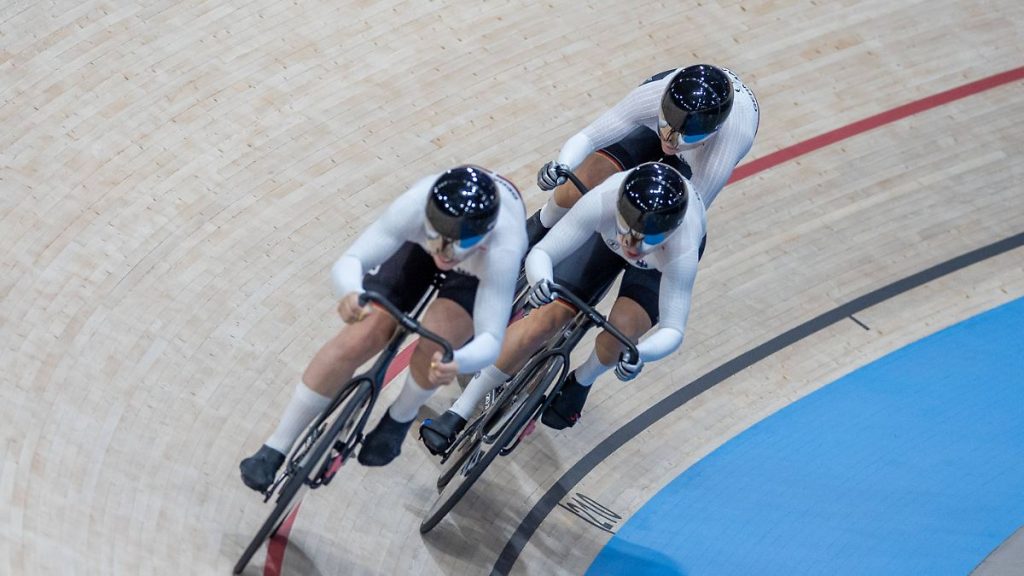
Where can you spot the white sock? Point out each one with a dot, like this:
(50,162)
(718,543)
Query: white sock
(410,399)
(551,213)
(488,379)
(590,370)
(305,405)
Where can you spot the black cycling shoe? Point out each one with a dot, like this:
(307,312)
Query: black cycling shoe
(258,470)
(384,443)
(439,433)
(535,231)
(565,409)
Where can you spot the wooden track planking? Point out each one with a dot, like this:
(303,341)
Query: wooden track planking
(177,178)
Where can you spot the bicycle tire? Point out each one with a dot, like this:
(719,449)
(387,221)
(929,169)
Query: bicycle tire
(287,497)
(468,447)
(447,500)
(483,425)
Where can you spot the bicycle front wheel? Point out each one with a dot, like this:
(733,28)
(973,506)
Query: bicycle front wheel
(479,452)
(311,468)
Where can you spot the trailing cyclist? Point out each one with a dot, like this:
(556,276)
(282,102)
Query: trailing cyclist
(701,120)
(649,221)
(467,223)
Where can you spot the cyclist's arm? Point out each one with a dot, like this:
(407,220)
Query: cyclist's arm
(398,224)
(714,163)
(673,308)
(491,310)
(611,126)
(568,234)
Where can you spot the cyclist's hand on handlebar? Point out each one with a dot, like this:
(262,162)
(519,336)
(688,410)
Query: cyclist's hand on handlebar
(626,369)
(549,175)
(541,294)
(350,310)
(441,373)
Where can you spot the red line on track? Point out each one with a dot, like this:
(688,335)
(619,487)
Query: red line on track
(278,544)
(807,146)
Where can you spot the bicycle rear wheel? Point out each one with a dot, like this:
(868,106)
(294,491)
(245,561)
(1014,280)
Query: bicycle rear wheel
(480,452)
(314,463)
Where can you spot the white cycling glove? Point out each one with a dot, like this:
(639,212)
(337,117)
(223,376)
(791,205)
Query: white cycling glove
(550,175)
(541,294)
(626,370)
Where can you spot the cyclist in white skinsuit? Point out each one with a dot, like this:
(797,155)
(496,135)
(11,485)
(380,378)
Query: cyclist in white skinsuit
(700,120)
(648,221)
(467,223)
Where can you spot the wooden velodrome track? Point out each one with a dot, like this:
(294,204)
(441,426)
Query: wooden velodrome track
(176,178)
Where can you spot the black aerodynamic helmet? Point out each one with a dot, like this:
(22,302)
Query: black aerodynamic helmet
(696,102)
(463,204)
(652,202)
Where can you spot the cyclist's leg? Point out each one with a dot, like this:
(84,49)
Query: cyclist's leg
(337,360)
(450,317)
(634,312)
(594,169)
(522,338)
(632,319)
(587,272)
(333,365)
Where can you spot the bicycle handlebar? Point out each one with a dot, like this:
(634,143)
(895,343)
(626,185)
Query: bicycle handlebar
(583,188)
(407,322)
(597,318)
(565,294)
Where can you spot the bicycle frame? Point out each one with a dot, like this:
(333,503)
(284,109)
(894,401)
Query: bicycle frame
(560,347)
(325,447)
(406,325)
(512,415)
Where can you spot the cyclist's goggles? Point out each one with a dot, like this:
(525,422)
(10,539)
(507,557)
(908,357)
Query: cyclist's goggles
(632,238)
(694,131)
(456,249)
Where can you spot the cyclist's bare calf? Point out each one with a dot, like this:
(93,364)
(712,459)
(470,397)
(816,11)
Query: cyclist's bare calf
(526,336)
(631,319)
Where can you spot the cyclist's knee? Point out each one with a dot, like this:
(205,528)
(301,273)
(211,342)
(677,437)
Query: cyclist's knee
(549,320)
(630,317)
(608,347)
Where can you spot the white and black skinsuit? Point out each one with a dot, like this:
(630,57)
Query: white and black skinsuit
(712,161)
(495,262)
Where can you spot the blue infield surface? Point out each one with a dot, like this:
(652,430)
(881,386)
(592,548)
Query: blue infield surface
(913,464)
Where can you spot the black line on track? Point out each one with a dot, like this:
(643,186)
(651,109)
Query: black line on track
(859,323)
(666,406)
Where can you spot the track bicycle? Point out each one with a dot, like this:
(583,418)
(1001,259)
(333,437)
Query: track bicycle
(510,413)
(337,432)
